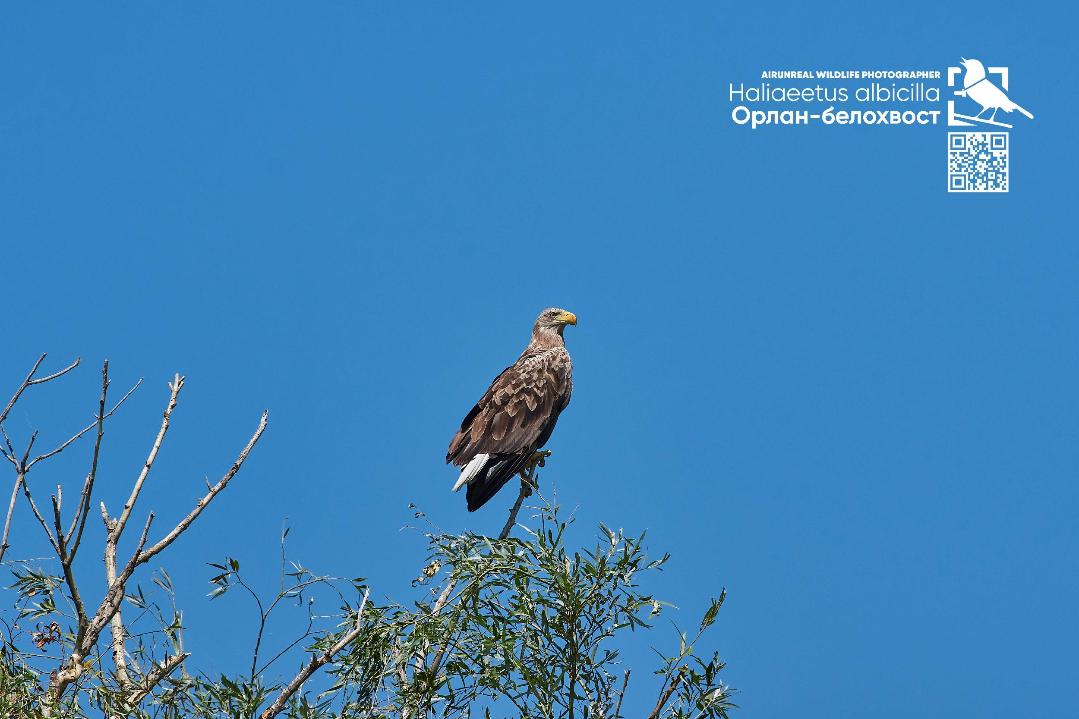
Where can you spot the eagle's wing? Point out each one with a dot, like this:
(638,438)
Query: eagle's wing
(519,409)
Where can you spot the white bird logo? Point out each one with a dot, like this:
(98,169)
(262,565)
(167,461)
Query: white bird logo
(978,87)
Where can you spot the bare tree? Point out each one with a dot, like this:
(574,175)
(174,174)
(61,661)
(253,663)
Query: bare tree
(66,543)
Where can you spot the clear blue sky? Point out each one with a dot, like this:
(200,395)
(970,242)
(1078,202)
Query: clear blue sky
(814,376)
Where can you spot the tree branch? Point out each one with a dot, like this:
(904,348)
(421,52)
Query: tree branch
(666,696)
(37,513)
(23,467)
(118,527)
(154,677)
(621,694)
(436,664)
(316,662)
(78,522)
(10,510)
(29,381)
(78,435)
(213,492)
(528,483)
(116,622)
(54,375)
(113,597)
(107,611)
(65,562)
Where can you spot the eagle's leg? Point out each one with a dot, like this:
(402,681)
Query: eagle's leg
(528,472)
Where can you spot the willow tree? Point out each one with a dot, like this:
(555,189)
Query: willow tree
(499,626)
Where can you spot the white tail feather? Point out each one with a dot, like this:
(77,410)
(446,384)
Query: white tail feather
(471,470)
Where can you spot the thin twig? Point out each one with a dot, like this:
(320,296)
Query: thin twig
(54,375)
(31,381)
(154,677)
(526,491)
(263,616)
(297,640)
(23,467)
(209,496)
(78,522)
(37,513)
(10,509)
(65,561)
(78,435)
(118,527)
(316,662)
(22,387)
(618,706)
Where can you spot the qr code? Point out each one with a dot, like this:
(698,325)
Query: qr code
(977,162)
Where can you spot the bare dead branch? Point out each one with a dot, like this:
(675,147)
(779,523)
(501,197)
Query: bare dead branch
(116,622)
(23,466)
(118,527)
(8,451)
(621,694)
(22,387)
(11,450)
(115,594)
(78,522)
(78,435)
(65,544)
(136,556)
(65,561)
(10,510)
(208,497)
(317,662)
(29,447)
(57,500)
(37,513)
(54,375)
(30,380)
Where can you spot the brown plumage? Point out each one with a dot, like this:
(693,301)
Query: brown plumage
(517,413)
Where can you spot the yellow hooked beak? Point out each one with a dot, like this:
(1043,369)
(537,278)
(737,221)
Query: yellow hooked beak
(567,318)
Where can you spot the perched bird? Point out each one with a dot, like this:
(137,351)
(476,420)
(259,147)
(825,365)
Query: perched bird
(981,89)
(517,413)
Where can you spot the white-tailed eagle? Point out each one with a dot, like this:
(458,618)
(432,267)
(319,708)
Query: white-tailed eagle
(517,413)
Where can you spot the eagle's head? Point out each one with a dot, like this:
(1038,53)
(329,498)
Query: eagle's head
(554,319)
